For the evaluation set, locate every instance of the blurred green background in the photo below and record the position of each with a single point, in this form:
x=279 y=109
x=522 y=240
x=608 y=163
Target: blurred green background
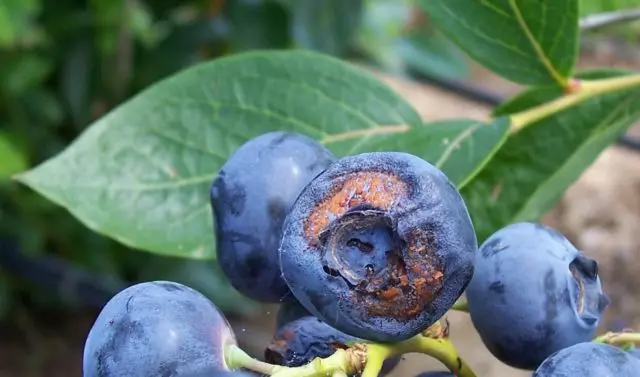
x=65 y=63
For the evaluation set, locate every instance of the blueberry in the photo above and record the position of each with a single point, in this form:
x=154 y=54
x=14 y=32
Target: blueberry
x=532 y=294
x=589 y=359
x=228 y=374
x=436 y=374
x=222 y=373
x=379 y=246
x=250 y=198
x=634 y=352
x=299 y=342
x=289 y=311
x=157 y=328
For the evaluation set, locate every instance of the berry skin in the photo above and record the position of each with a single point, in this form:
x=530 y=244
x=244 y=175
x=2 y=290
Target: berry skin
x=221 y=373
x=634 y=352
x=379 y=246
x=532 y=294
x=157 y=328
x=250 y=198
x=228 y=374
x=299 y=342
x=289 y=311
x=589 y=359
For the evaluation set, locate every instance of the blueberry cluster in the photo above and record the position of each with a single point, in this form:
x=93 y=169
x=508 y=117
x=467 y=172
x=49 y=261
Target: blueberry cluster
x=374 y=247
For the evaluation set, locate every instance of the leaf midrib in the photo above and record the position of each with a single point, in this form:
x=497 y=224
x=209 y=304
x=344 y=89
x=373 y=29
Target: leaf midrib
x=544 y=59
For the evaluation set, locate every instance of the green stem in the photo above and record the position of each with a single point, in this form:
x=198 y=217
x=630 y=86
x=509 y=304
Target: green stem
x=340 y=361
x=461 y=305
x=236 y=358
x=618 y=338
x=586 y=89
x=367 y=357
x=441 y=349
x=376 y=355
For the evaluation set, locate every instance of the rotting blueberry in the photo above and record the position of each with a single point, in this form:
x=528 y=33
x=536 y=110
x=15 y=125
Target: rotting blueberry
x=532 y=294
x=589 y=359
x=250 y=197
x=379 y=246
x=157 y=328
x=300 y=341
x=289 y=311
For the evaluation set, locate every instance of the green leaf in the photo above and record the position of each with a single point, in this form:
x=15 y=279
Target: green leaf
x=16 y=20
x=12 y=159
x=21 y=72
x=431 y=53
x=535 y=166
x=528 y=42
x=327 y=26
x=5 y=296
x=459 y=147
x=142 y=173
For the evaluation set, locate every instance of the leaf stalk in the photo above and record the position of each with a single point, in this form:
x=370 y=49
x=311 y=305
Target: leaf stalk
x=587 y=89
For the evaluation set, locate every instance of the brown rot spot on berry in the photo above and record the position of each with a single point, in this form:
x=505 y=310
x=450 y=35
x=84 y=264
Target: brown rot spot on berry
x=379 y=190
x=279 y=346
x=355 y=230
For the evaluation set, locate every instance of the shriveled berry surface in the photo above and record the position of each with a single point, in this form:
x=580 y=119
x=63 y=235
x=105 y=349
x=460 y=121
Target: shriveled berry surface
x=600 y=214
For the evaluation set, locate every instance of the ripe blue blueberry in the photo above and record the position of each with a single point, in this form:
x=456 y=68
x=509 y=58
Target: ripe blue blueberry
x=222 y=373
x=228 y=374
x=250 y=198
x=300 y=341
x=157 y=328
x=379 y=246
x=634 y=352
x=589 y=359
x=532 y=294
x=289 y=311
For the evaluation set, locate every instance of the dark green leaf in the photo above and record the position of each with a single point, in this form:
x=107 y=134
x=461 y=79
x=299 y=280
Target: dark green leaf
x=142 y=173
x=178 y=50
x=327 y=26
x=21 y=72
x=258 y=25
x=526 y=41
x=12 y=159
x=5 y=296
x=535 y=166
x=75 y=78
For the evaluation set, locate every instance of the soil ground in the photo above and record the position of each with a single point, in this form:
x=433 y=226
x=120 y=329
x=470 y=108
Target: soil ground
x=600 y=213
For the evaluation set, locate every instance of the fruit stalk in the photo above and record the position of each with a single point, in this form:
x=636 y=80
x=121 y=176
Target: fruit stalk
x=441 y=349
x=461 y=306
x=616 y=338
x=235 y=357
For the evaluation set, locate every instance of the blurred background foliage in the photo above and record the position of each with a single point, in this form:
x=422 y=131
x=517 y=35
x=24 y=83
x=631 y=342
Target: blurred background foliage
x=65 y=63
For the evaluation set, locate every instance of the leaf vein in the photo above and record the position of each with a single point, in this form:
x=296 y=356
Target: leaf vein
x=544 y=59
